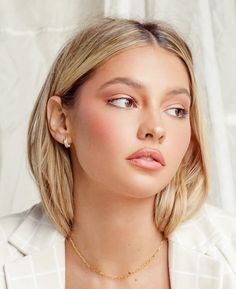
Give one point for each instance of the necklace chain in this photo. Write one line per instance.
(124, 276)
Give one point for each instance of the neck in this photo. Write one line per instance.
(115, 233)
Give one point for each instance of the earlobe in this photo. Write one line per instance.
(56, 118)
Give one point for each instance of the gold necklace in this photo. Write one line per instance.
(124, 276)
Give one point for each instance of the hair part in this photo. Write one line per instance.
(50, 161)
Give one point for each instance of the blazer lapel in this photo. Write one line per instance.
(190, 254)
(42, 264)
(42, 269)
(193, 269)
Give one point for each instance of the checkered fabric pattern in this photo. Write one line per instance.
(202, 251)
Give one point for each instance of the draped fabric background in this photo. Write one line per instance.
(31, 32)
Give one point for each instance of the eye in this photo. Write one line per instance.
(177, 112)
(123, 102)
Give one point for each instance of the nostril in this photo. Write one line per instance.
(148, 134)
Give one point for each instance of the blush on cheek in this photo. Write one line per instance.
(97, 129)
(181, 139)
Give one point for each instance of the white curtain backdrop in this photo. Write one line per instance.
(31, 32)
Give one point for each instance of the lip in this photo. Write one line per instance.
(157, 162)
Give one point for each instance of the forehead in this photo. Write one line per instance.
(150, 66)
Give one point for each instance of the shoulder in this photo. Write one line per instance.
(9, 223)
(25, 232)
(23, 236)
(210, 232)
(8, 253)
(221, 239)
(208, 227)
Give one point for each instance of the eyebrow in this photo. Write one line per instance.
(177, 91)
(138, 85)
(124, 80)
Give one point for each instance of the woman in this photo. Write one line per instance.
(117, 148)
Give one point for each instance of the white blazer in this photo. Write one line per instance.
(202, 251)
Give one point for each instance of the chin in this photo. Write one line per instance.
(140, 192)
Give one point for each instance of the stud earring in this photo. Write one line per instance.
(66, 143)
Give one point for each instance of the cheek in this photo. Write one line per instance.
(179, 141)
(100, 132)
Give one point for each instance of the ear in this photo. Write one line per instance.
(57, 120)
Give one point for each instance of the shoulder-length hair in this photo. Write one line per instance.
(50, 161)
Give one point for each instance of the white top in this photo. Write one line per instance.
(202, 251)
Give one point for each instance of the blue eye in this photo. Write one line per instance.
(123, 102)
(177, 112)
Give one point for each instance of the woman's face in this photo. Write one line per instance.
(136, 99)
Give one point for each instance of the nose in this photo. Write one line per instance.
(152, 129)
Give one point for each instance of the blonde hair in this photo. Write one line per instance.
(50, 161)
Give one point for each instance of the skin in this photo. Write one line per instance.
(114, 217)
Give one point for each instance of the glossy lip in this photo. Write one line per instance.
(157, 163)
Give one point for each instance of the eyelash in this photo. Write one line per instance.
(127, 98)
(182, 111)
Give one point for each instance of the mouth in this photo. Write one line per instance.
(147, 158)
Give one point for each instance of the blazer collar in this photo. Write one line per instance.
(190, 245)
(42, 264)
(192, 269)
(35, 232)
(43, 249)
